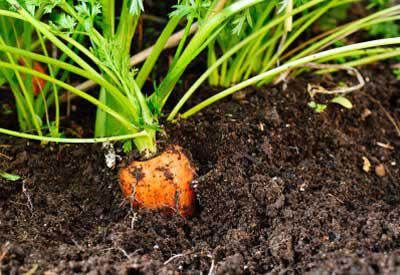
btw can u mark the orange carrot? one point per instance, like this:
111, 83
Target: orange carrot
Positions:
37, 82
163, 182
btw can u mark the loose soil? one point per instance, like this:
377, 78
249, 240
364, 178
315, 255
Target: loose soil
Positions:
280, 189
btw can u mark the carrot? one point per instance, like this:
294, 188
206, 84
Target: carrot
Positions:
37, 82
163, 182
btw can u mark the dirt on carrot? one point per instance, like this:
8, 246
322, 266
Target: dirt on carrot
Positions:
163, 182
280, 189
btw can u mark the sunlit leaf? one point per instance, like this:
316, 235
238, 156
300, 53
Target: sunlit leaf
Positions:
318, 108
344, 102
9, 177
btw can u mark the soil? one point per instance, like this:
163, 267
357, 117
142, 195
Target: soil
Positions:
280, 189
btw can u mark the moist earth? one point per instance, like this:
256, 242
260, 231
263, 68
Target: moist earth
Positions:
281, 189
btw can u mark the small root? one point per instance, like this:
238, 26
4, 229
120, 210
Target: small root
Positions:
28, 197
212, 267
321, 90
4, 250
134, 218
342, 90
124, 252
173, 258
4, 156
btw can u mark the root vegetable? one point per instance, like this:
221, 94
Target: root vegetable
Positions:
37, 82
163, 182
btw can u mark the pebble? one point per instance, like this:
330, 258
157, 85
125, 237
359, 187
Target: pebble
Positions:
380, 170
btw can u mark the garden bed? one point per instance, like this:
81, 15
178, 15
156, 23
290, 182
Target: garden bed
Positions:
280, 188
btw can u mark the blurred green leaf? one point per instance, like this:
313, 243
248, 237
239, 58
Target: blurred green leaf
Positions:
318, 108
344, 102
9, 177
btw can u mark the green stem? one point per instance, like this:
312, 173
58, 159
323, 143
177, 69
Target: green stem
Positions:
366, 60
72, 89
126, 27
182, 42
27, 96
289, 66
375, 51
55, 92
202, 35
66, 66
109, 17
146, 144
44, 29
157, 49
345, 30
45, 59
298, 32
141, 134
231, 52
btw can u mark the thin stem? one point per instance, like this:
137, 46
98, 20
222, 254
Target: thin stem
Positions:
231, 52
72, 89
346, 29
109, 17
298, 32
44, 29
289, 66
156, 51
72, 140
208, 29
28, 97
45, 59
183, 41
366, 60
55, 91
66, 66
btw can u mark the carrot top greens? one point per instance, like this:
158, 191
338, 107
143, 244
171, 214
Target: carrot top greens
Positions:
249, 42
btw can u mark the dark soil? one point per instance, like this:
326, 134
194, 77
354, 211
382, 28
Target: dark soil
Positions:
281, 189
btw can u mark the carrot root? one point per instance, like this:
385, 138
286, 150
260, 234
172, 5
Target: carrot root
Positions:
163, 182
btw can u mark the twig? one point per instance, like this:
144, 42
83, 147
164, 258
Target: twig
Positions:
395, 66
219, 6
134, 219
28, 197
173, 41
5, 146
173, 258
4, 252
5, 156
5, 249
124, 252
345, 90
385, 145
350, 70
211, 271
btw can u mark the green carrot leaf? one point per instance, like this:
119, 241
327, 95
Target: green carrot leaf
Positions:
318, 108
344, 102
9, 177
136, 7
